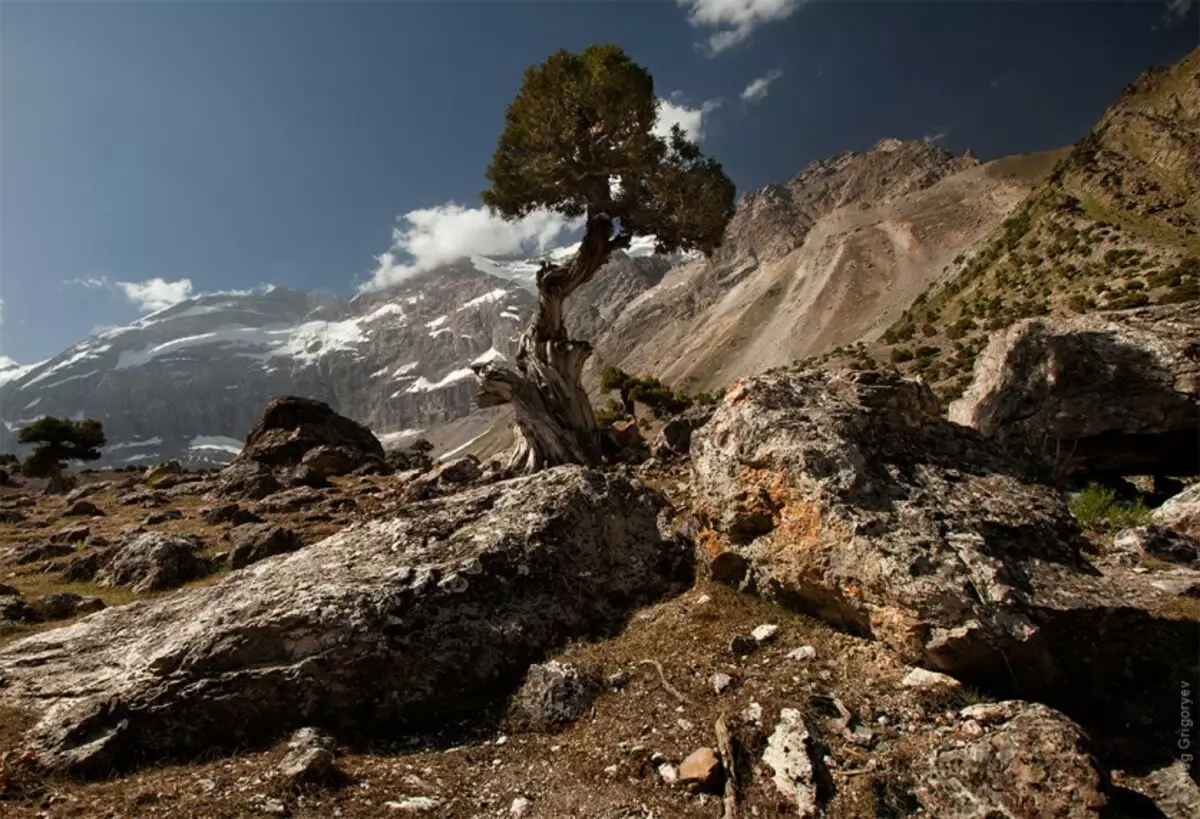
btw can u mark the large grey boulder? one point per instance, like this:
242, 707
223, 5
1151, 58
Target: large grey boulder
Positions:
1112, 392
847, 496
391, 624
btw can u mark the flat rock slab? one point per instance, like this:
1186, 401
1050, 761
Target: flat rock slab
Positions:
389, 625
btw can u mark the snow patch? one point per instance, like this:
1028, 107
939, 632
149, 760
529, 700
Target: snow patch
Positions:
446, 455
389, 309
506, 314
424, 385
31, 404
487, 298
135, 443
405, 369
390, 438
441, 330
437, 322
62, 381
220, 443
491, 355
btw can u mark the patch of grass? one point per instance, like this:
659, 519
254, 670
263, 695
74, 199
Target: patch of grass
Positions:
1096, 507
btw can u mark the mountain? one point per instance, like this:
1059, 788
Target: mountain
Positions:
1115, 225
829, 257
187, 382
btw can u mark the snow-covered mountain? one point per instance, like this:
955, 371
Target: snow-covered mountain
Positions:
187, 382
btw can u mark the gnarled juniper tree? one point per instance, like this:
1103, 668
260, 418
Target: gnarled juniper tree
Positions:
580, 139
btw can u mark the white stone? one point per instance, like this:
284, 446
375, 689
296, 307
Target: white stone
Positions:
802, 653
923, 678
765, 633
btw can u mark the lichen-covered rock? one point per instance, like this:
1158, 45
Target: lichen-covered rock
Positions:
253, 542
675, 438
444, 601
83, 508
154, 474
153, 561
847, 496
1115, 392
554, 694
1181, 512
1010, 759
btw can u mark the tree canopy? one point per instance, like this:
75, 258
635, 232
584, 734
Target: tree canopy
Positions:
60, 440
580, 139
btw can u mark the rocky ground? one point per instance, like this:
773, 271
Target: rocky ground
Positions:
704, 639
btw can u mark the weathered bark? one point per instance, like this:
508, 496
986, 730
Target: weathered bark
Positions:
554, 420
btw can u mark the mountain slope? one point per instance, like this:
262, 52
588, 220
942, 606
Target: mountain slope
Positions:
1115, 225
831, 257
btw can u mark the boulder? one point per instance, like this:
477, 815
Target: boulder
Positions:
445, 600
147, 499
1181, 512
153, 561
459, 470
1009, 759
37, 552
701, 770
229, 513
324, 462
310, 758
554, 694
154, 474
162, 516
1162, 542
1113, 392
61, 605
83, 508
253, 542
846, 495
72, 534
290, 427
289, 500
246, 480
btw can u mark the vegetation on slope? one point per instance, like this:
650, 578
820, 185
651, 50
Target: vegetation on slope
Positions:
1116, 226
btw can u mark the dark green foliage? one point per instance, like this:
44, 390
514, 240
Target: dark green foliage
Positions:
647, 391
421, 445
60, 440
901, 354
580, 119
927, 352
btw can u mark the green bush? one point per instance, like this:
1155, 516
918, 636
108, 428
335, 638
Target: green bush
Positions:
901, 354
928, 352
1096, 507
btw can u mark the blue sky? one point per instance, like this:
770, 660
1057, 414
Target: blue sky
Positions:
152, 149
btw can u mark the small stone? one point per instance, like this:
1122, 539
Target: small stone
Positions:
519, 806
720, 682
668, 772
753, 713
743, 644
972, 728
765, 633
802, 653
415, 804
923, 678
702, 768
162, 516
553, 694
703, 599
83, 508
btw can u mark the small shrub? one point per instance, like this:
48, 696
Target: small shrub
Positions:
1096, 507
901, 354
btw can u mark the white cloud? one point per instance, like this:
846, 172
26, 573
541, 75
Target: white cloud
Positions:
1, 311
440, 235
1178, 9
936, 136
691, 120
757, 90
735, 20
156, 294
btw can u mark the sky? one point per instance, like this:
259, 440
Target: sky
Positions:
154, 150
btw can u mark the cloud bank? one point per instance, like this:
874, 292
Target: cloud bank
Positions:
735, 20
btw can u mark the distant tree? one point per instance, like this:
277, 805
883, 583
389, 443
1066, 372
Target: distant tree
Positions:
646, 390
614, 378
60, 440
579, 139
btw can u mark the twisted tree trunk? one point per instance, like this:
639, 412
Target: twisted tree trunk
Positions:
554, 420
